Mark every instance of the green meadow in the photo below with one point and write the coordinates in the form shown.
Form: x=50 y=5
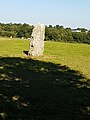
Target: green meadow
x=55 y=86
x=74 y=55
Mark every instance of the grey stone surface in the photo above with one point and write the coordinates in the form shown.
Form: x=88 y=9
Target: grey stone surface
x=37 y=40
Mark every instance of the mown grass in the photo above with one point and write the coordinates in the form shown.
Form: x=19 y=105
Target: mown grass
x=76 y=56
x=13 y=47
x=55 y=86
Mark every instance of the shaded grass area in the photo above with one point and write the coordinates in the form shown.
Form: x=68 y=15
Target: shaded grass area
x=37 y=90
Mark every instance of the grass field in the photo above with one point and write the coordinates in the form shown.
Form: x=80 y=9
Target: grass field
x=75 y=56
x=55 y=86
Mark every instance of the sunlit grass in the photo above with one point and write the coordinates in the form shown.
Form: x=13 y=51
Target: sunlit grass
x=13 y=47
x=74 y=55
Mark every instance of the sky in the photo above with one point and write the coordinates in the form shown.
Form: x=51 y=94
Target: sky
x=68 y=13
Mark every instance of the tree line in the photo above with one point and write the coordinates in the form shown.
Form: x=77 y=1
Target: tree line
x=52 y=33
x=15 y=30
x=59 y=33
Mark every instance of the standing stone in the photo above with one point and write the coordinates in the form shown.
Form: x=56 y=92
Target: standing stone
x=37 y=40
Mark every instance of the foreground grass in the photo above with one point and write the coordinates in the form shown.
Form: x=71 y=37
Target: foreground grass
x=47 y=87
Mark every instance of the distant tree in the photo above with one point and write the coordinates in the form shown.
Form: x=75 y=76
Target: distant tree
x=61 y=27
x=24 y=31
x=82 y=29
x=57 y=26
x=50 y=26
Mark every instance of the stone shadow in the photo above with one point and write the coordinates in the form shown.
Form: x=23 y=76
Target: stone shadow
x=26 y=52
x=36 y=90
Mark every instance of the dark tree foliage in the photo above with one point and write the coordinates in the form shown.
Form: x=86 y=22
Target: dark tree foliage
x=15 y=30
x=24 y=30
x=52 y=33
x=59 y=33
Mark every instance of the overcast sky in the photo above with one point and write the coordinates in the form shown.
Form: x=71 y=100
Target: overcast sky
x=69 y=13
